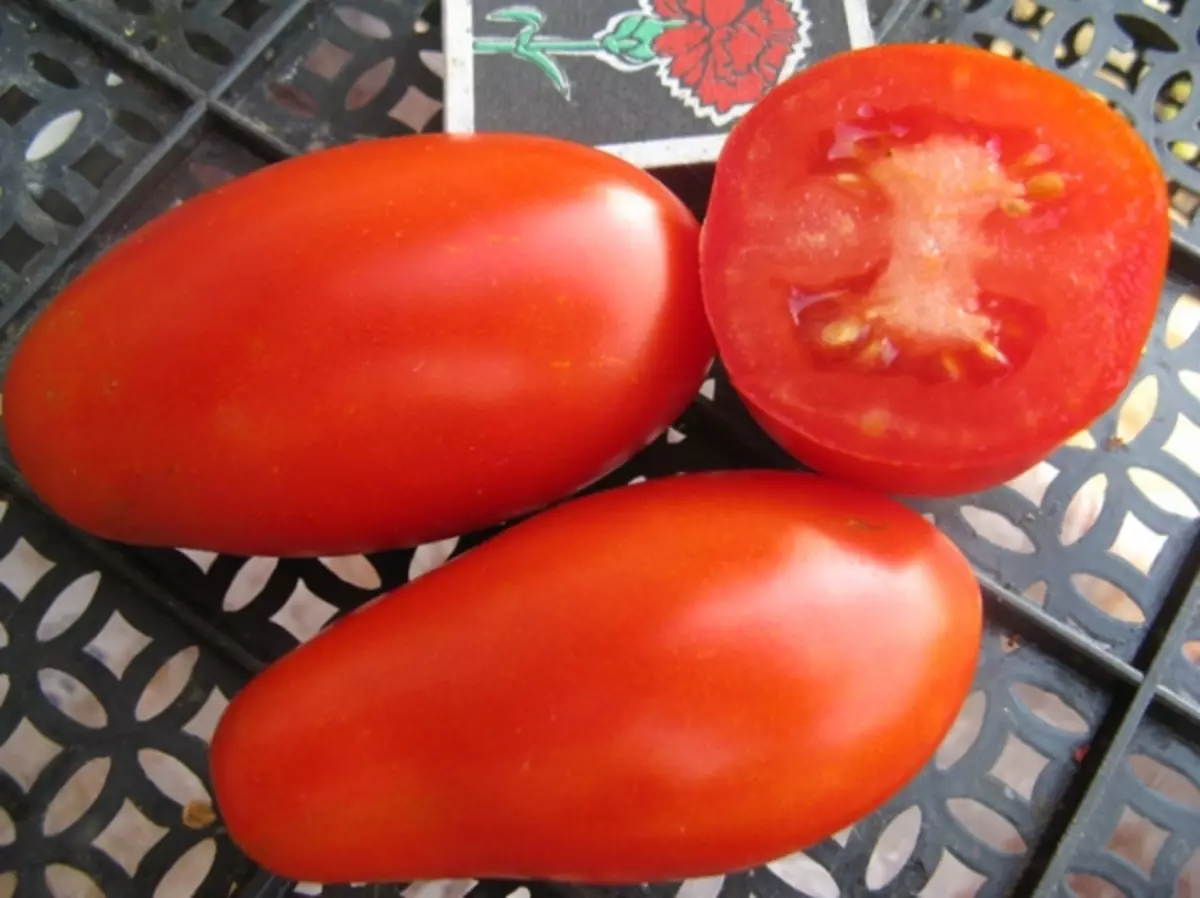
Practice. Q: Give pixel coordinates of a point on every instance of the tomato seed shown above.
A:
(841, 333)
(1015, 207)
(991, 352)
(852, 182)
(880, 352)
(1040, 155)
(951, 366)
(1045, 186)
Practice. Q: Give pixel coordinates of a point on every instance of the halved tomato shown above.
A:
(926, 266)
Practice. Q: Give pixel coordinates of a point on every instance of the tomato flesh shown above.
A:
(922, 272)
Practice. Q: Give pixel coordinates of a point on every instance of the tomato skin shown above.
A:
(367, 347)
(1087, 267)
(968, 475)
(679, 678)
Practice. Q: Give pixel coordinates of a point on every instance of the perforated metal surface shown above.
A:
(114, 661)
(1151, 843)
(108, 708)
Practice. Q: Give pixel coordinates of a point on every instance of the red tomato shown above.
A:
(927, 266)
(368, 347)
(674, 679)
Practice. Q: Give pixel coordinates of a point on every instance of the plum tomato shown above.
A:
(681, 678)
(363, 348)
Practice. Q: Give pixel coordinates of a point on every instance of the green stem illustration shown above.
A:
(552, 46)
(626, 43)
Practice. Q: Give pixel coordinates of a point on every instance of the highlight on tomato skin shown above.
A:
(927, 266)
(686, 677)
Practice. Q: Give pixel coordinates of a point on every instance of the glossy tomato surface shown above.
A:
(679, 678)
(926, 266)
(367, 347)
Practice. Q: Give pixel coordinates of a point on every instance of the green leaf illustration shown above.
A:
(627, 43)
(632, 39)
(526, 45)
(523, 15)
(551, 70)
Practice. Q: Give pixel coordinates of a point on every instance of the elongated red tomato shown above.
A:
(927, 266)
(674, 679)
(366, 347)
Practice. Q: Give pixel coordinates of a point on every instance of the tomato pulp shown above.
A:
(372, 346)
(680, 678)
(926, 266)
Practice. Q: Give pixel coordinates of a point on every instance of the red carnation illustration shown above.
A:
(728, 53)
(718, 56)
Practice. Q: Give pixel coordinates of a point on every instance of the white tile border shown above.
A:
(458, 28)
(669, 151)
(858, 22)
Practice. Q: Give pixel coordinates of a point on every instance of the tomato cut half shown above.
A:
(926, 266)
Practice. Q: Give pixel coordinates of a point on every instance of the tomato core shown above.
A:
(922, 310)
